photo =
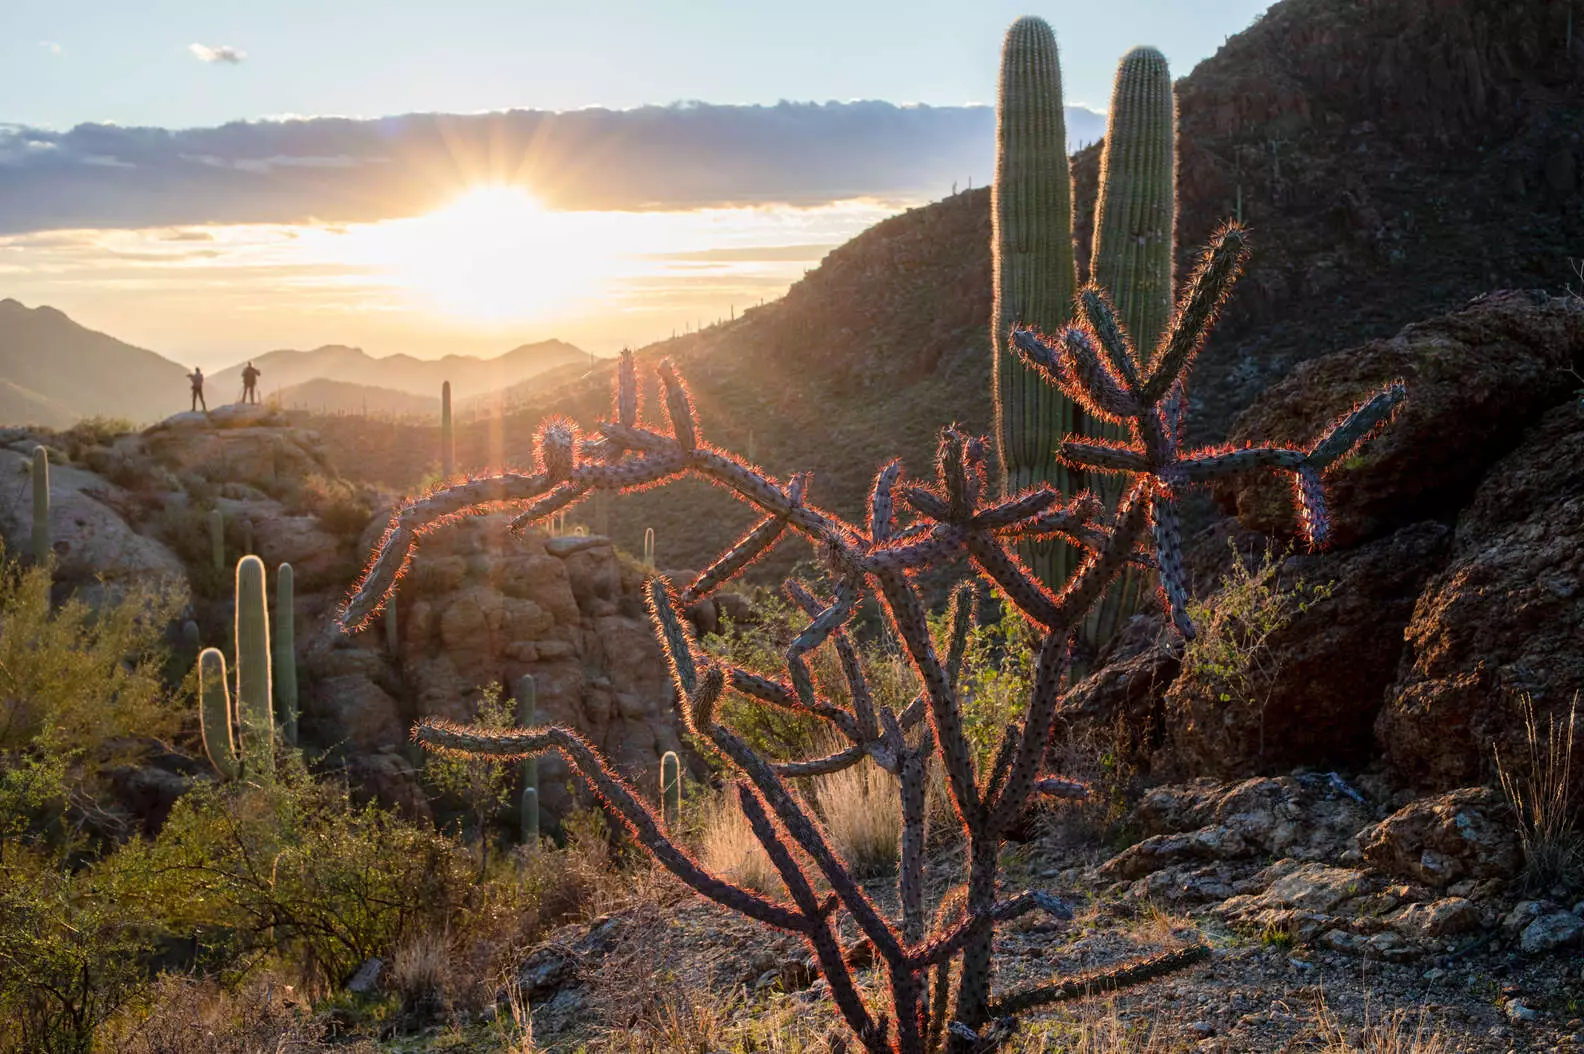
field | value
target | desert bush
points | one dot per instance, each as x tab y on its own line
71	948
293	867
727	846
862	818
482	786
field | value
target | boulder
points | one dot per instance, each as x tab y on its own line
1503	620
1476	378
1317	682
259	452
95	548
1463	834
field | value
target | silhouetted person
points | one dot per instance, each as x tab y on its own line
196	376
250	376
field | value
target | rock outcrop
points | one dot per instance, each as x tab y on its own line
1503	621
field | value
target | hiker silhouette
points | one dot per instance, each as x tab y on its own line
196	377
250	376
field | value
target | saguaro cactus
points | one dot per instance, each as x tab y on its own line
216	716
253	676
527	694
1035	272
217	539
1135	236
447	435
41	506
671	788
285	637
648	554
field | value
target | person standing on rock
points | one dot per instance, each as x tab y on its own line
250	376
196	377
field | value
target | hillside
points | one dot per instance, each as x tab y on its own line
53	371
344	397
469	375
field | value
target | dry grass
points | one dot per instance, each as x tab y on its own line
727	846
420	974
1540	796
1397	1033
188	1016
863	816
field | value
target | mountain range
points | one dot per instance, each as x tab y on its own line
54	372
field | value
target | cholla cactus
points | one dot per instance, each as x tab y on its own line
912	526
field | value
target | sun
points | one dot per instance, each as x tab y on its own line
495	254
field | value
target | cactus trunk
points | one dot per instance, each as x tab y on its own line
1135	236
216	717
447	434
1035	271
285	638
254	702
527	694
41	506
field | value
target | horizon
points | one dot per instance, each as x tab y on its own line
506	192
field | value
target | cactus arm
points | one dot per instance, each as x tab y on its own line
217	719
41	507
882	509
254	694
1208	290
1202	466
1105	456
1356	425
750	547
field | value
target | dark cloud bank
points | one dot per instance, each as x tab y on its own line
349	170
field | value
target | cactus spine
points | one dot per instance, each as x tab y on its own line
254	697
1134	241
671	788
648	557
1035	271
216	717
447	435
217	539
286	653
527	716
41	506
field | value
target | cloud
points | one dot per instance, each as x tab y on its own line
224	53
346	170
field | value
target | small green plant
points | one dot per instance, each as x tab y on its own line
482	785
1541	798
1231	657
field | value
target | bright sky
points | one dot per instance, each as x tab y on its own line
176	280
